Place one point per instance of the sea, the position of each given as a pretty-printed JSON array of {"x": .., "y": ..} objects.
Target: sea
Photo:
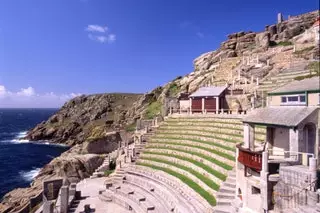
[{"x": 21, "y": 160}]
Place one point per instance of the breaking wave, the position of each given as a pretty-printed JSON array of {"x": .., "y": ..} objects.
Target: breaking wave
[{"x": 29, "y": 175}]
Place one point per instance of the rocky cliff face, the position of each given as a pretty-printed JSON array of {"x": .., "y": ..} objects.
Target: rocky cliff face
[
  {"x": 70, "y": 165},
  {"x": 86, "y": 117},
  {"x": 85, "y": 123},
  {"x": 273, "y": 50}
]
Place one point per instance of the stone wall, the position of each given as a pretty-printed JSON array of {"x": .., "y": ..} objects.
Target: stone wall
[{"x": 294, "y": 188}]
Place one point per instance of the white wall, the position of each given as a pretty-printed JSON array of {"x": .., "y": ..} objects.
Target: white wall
[{"x": 281, "y": 141}]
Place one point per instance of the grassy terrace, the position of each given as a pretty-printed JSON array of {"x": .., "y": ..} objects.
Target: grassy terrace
[
  {"x": 212, "y": 160},
  {"x": 205, "y": 132},
  {"x": 182, "y": 143},
  {"x": 222, "y": 154},
  {"x": 200, "y": 176},
  {"x": 197, "y": 163},
  {"x": 206, "y": 195},
  {"x": 259, "y": 129},
  {"x": 207, "y": 136},
  {"x": 199, "y": 141}
]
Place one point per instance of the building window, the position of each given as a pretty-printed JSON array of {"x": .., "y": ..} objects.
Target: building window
[
  {"x": 255, "y": 190},
  {"x": 293, "y": 100}
]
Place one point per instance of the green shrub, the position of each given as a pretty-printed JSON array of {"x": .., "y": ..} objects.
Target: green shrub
[
  {"x": 206, "y": 195},
  {"x": 284, "y": 43},
  {"x": 173, "y": 89},
  {"x": 280, "y": 43},
  {"x": 153, "y": 110}
]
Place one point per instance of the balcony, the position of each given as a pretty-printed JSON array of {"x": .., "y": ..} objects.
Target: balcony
[{"x": 250, "y": 159}]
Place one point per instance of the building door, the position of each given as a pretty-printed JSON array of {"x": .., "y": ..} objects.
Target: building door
[
  {"x": 210, "y": 104},
  {"x": 196, "y": 105},
  {"x": 309, "y": 132}
]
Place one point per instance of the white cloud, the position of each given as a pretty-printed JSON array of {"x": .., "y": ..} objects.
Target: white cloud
[
  {"x": 27, "y": 92},
  {"x": 103, "y": 39},
  {"x": 2, "y": 90},
  {"x": 97, "y": 28},
  {"x": 27, "y": 97},
  {"x": 100, "y": 34},
  {"x": 112, "y": 38}
]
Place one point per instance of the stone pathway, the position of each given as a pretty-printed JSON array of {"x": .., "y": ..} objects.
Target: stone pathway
[{"x": 90, "y": 192}]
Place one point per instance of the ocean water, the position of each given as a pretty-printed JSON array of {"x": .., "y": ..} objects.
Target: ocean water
[{"x": 21, "y": 160}]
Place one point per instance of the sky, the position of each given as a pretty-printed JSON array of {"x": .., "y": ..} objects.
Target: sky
[{"x": 54, "y": 50}]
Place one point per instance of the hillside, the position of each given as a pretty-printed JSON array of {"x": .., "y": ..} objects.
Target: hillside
[
  {"x": 86, "y": 117},
  {"x": 246, "y": 56}
]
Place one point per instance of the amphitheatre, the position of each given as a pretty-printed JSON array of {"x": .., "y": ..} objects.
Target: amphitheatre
[{"x": 226, "y": 143}]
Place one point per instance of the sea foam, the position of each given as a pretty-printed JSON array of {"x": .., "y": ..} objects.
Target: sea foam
[{"x": 29, "y": 175}]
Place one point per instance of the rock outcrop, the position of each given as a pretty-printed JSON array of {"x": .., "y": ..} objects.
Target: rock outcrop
[
  {"x": 71, "y": 165},
  {"x": 86, "y": 117}
]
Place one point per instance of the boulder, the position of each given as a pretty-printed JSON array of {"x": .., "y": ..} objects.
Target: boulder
[
  {"x": 263, "y": 40},
  {"x": 102, "y": 145}
]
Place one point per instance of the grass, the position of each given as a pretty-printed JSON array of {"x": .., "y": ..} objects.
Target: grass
[
  {"x": 305, "y": 50},
  {"x": 258, "y": 130},
  {"x": 200, "y": 176},
  {"x": 208, "y": 158},
  {"x": 108, "y": 172},
  {"x": 314, "y": 68},
  {"x": 207, "y": 136},
  {"x": 203, "y": 193},
  {"x": 131, "y": 127},
  {"x": 224, "y": 155},
  {"x": 199, "y": 141},
  {"x": 205, "y": 131},
  {"x": 197, "y": 163},
  {"x": 153, "y": 110},
  {"x": 284, "y": 43}
]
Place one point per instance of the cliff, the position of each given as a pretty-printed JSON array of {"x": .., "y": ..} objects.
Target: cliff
[{"x": 86, "y": 117}]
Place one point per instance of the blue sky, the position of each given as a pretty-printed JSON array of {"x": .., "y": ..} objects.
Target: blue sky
[{"x": 52, "y": 50}]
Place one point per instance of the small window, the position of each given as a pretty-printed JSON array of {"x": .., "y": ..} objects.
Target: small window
[
  {"x": 255, "y": 190},
  {"x": 284, "y": 99},
  {"x": 302, "y": 98},
  {"x": 292, "y": 98}
]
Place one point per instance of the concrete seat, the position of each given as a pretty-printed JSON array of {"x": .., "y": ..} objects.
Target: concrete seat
[
  {"x": 124, "y": 202},
  {"x": 185, "y": 198}
]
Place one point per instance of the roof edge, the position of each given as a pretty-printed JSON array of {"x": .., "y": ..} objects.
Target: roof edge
[{"x": 293, "y": 92}]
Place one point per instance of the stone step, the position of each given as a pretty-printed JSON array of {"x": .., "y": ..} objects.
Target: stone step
[
  {"x": 226, "y": 189},
  {"x": 225, "y": 195},
  {"x": 223, "y": 209},
  {"x": 231, "y": 185},
  {"x": 224, "y": 202}
]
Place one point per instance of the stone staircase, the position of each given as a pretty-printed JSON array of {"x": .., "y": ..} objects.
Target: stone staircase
[
  {"x": 99, "y": 172},
  {"x": 284, "y": 77},
  {"x": 226, "y": 195}
]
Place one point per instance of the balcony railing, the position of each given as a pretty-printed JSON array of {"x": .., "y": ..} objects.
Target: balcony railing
[{"x": 250, "y": 159}]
